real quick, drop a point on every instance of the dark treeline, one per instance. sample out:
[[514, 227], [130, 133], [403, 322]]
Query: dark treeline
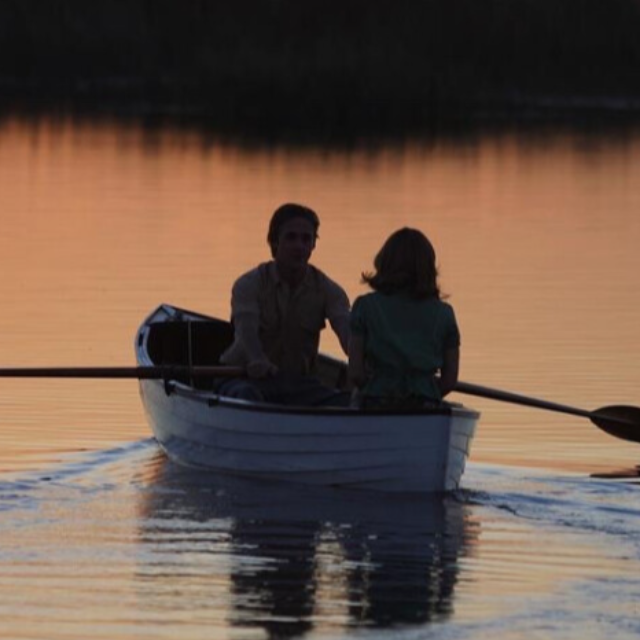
[[320, 64]]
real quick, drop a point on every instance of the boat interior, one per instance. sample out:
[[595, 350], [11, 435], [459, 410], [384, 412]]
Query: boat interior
[[202, 342]]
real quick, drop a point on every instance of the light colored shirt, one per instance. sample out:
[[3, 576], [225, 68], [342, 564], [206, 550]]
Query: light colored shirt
[[289, 320], [404, 343]]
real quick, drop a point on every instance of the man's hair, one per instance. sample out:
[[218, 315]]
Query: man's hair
[[406, 263], [283, 214]]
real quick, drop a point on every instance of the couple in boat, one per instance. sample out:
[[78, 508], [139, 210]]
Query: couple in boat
[[402, 339]]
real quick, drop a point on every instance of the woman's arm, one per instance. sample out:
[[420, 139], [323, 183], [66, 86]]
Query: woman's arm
[[449, 371], [357, 376]]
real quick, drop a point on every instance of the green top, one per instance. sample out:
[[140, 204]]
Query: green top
[[404, 343]]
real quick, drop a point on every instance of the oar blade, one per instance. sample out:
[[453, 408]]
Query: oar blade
[[621, 421]]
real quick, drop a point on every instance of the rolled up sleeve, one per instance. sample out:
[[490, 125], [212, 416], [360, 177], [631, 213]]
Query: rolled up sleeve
[[245, 296], [337, 302]]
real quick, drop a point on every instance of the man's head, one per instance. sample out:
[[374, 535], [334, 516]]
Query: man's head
[[293, 232]]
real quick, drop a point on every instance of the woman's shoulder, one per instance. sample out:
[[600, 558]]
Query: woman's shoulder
[[367, 299], [446, 311], [367, 296], [443, 303], [365, 303], [443, 307]]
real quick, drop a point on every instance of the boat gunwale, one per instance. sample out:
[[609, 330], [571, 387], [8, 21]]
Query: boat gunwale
[[215, 400]]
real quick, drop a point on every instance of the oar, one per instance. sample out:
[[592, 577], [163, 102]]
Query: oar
[[160, 372], [621, 421]]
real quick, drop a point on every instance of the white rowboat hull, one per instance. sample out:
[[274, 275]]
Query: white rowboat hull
[[407, 452]]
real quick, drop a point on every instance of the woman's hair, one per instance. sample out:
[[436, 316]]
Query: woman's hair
[[406, 263], [283, 214]]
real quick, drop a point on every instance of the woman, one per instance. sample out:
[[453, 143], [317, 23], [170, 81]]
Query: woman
[[405, 344]]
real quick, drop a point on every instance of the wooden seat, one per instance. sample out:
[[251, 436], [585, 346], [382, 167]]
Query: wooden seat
[[197, 343]]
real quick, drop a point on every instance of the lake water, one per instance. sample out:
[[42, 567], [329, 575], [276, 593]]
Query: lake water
[[537, 239]]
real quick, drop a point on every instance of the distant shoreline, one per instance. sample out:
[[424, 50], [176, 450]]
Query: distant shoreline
[[129, 100], [324, 67]]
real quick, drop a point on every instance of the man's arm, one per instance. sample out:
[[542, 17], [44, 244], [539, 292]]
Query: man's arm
[[340, 326], [338, 308], [245, 314], [246, 328]]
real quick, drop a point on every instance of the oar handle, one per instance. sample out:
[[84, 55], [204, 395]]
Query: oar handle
[[159, 372], [515, 398]]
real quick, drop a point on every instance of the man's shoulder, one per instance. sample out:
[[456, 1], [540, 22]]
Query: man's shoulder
[[334, 297], [254, 276], [322, 279]]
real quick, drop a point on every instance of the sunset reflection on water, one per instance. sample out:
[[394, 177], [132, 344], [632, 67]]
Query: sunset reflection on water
[[536, 237], [101, 536]]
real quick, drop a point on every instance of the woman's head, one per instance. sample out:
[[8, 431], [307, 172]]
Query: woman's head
[[406, 263]]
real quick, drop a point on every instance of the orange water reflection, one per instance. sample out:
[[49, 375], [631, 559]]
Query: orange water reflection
[[537, 241]]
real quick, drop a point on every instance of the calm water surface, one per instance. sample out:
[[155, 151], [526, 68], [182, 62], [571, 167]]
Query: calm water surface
[[100, 537]]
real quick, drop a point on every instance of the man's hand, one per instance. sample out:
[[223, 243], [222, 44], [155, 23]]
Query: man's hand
[[261, 369]]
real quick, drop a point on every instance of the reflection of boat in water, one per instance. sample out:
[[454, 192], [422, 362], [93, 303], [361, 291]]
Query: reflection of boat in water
[[287, 558]]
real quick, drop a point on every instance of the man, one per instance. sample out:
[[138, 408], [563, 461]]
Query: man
[[278, 310]]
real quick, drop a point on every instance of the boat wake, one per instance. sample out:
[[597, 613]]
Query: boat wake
[[596, 506], [80, 474], [279, 559]]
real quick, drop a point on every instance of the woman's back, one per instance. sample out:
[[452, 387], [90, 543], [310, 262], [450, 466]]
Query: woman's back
[[405, 340]]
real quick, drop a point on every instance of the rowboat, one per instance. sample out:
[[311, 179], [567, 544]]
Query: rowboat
[[408, 451]]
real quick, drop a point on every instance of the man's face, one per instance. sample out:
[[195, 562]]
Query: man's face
[[295, 244]]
